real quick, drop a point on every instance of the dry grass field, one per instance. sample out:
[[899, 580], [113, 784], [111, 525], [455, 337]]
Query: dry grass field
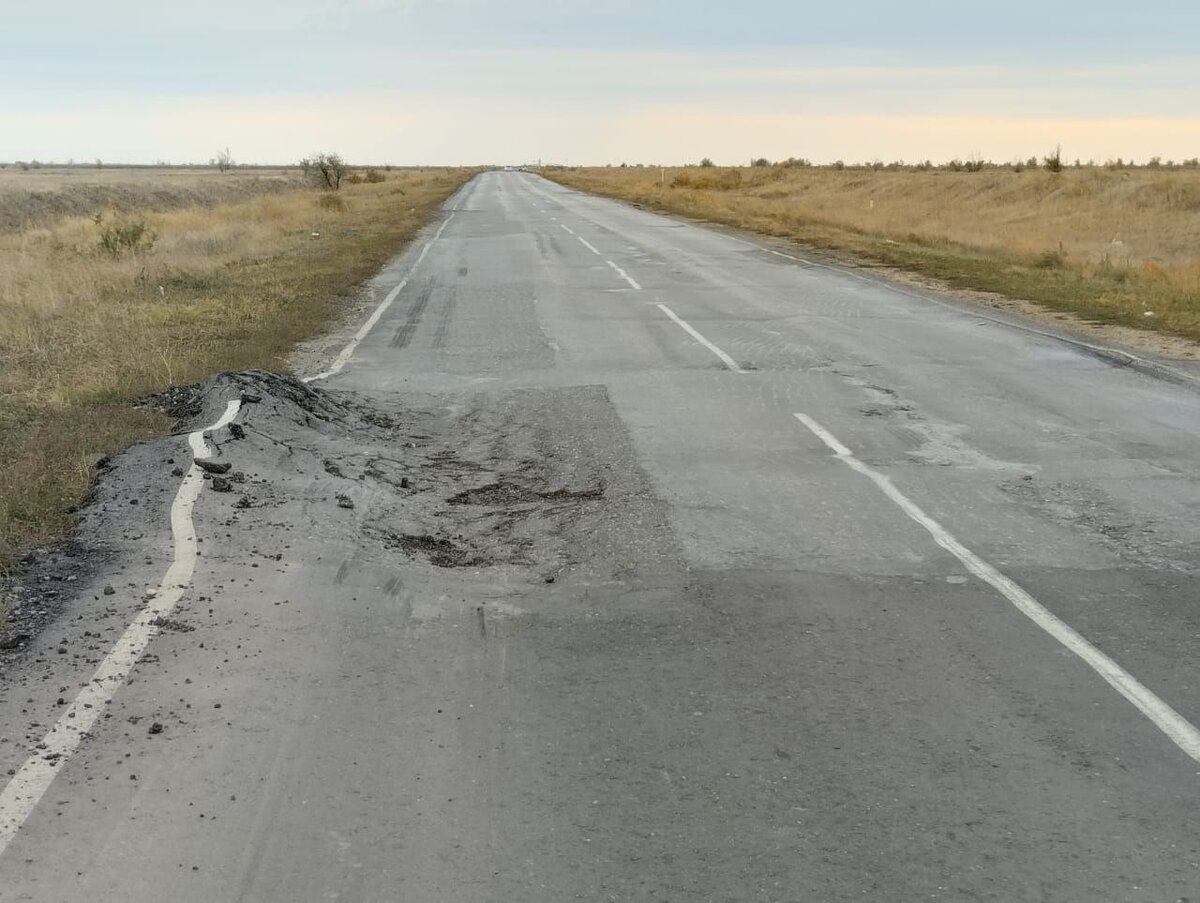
[[207, 272], [31, 197], [1114, 246]]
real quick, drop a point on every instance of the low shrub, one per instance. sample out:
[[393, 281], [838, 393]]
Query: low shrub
[[325, 170], [1051, 260], [119, 239], [730, 179]]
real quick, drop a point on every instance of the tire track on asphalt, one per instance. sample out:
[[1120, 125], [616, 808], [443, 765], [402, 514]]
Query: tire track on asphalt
[[412, 320], [346, 353], [443, 327]]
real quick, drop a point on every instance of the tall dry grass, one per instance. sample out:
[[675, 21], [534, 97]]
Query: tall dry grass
[[1117, 246], [232, 285]]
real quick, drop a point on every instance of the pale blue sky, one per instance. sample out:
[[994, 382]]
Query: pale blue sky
[[459, 81]]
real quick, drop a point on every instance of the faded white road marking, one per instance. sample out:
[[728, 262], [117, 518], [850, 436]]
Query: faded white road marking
[[588, 245], [1166, 719], [566, 228], [624, 275], [34, 777], [346, 353], [725, 358]]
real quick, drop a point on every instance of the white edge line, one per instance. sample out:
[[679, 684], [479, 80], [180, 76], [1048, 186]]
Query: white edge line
[[346, 353], [725, 358], [27, 787], [625, 276], [566, 228], [1181, 731], [588, 245]]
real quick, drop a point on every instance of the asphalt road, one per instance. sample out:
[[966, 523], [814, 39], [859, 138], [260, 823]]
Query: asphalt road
[[549, 594]]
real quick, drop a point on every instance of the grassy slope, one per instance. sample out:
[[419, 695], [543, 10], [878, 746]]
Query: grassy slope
[[230, 286], [1108, 246]]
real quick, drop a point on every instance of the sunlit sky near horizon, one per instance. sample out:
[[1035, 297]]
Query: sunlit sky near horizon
[[474, 81]]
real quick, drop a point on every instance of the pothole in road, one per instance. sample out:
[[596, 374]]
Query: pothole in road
[[441, 552], [504, 494]]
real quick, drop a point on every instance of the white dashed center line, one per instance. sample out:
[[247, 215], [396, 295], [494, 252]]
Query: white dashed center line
[[624, 275], [725, 358]]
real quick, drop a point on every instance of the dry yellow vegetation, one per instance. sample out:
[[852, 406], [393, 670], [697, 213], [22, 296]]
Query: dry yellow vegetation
[[1118, 246], [31, 197], [185, 286]]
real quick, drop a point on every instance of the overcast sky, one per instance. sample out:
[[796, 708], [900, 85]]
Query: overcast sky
[[466, 81]]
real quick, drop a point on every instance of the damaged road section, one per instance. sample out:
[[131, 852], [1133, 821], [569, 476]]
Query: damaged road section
[[526, 480], [452, 504]]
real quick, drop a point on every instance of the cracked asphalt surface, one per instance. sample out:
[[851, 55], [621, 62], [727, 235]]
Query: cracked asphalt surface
[[538, 600]]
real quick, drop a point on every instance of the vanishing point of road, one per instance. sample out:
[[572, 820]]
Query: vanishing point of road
[[623, 559]]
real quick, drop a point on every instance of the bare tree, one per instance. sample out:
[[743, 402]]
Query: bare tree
[[325, 170], [223, 160]]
